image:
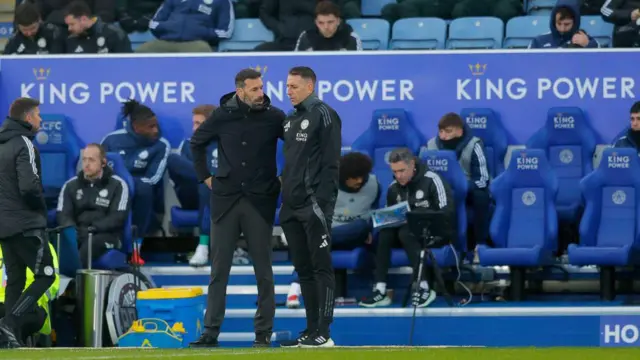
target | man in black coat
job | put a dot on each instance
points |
(24, 218)
(244, 196)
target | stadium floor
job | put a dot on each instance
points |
(354, 353)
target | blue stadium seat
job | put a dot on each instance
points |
(138, 38)
(599, 29)
(486, 125)
(610, 226)
(117, 258)
(569, 142)
(419, 33)
(373, 7)
(522, 29)
(476, 33)
(59, 147)
(374, 33)
(540, 7)
(6, 28)
(524, 227)
(247, 34)
(171, 129)
(389, 129)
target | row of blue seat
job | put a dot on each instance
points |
(431, 33)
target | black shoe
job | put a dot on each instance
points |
(262, 340)
(423, 298)
(9, 339)
(296, 342)
(317, 340)
(205, 341)
(376, 299)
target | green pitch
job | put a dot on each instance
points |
(356, 353)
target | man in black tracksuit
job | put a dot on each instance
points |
(91, 35)
(33, 36)
(244, 196)
(96, 199)
(330, 32)
(312, 138)
(422, 189)
(24, 218)
(624, 14)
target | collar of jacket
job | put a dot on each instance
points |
(20, 125)
(307, 103)
(103, 180)
(231, 103)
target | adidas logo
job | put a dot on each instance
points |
(324, 244)
(79, 49)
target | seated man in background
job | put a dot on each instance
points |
(91, 35)
(565, 29)
(55, 11)
(192, 194)
(286, 19)
(135, 15)
(190, 26)
(455, 135)
(632, 138)
(95, 198)
(145, 155)
(330, 33)
(38, 321)
(33, 36)
(422, 189)
(358, 193)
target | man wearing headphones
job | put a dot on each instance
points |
(94, 198)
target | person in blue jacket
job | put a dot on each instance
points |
(631, 138)
(192, 194)
(145, 155)
(190, 26)
(564, 24)
(454, 134)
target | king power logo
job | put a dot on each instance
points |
(343, 90)
(51, 92)
(478, 84)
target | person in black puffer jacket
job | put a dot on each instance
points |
(287, 19)
(330, 32)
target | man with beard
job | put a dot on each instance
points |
(33, 36)
(88, 34)
(244, 194)
(631, 138)
(454, 134)
(330, 32)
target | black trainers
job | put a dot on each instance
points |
(205, 341)
(317, 340)
(296, 342)
(262, 340)
(9, 339)
(375, 300)
(423, 298)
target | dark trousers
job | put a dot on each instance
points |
(347, 237)
(242, 217)
(32, 322)
(191, 194)
(28, 250)
(100, 244)
(390, 238)
(276, 46)
(143, 207)
(308, 233)
(479, 200)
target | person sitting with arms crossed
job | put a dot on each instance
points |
(358, 193)
(422, 189)
(95, 198)
(455, 135)
(145, 154)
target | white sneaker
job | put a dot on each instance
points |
(201, 256)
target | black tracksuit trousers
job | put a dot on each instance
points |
(308, 233)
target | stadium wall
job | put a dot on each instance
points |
(519, 85)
